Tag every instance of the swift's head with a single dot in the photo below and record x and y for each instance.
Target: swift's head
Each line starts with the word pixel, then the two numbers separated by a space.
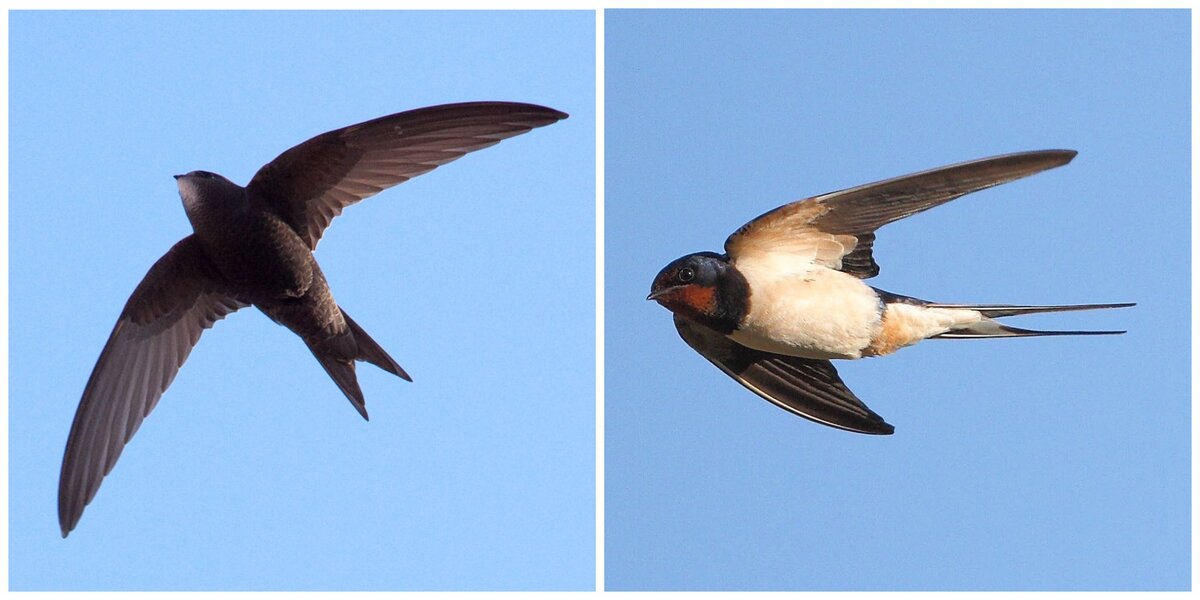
pixel 201 189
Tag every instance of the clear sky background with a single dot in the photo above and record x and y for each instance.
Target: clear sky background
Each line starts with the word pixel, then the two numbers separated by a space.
pixel 254 472
pixel 1051 463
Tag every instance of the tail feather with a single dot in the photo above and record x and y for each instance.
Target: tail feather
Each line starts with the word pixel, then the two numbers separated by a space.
pixel 989 328
pixel 994 311
pixel 342 373
pixel 372 352
pixel 338 353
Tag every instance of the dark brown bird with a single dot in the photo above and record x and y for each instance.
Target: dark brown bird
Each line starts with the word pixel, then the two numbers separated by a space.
pixel 253 246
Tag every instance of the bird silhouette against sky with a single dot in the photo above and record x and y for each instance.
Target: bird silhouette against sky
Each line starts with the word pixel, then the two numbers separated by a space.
pixel 252 246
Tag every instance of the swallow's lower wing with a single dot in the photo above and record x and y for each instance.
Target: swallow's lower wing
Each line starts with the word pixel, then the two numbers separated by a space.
pixel 837 229
pixel 809 388
pixel 178 299
pixel 313 182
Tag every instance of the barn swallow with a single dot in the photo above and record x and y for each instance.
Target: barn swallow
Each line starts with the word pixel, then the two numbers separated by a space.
pixel 252 246
pixel 788 293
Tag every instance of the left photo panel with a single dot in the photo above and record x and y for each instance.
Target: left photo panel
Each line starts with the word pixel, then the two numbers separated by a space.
pixel 198 203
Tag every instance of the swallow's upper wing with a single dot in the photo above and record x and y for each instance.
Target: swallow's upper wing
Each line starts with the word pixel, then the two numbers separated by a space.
pixel 312 183
pixel 809 388
pixel 179 298
pixel 838 229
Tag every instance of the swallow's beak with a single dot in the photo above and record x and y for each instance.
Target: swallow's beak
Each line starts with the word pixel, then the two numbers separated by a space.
pixel 178 176
pixel 663 292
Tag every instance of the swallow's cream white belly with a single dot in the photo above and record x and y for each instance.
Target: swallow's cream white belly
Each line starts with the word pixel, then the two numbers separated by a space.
pixel 811 311
pixel 816 312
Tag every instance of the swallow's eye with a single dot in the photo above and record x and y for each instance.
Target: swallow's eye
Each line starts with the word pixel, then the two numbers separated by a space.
pixel 686 274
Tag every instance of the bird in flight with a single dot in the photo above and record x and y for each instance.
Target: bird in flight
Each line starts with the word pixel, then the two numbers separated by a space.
pixel 252 246
pixel 788 293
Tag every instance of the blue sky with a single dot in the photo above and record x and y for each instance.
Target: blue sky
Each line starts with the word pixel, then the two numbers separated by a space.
pixel 1051 463
pixel 254 472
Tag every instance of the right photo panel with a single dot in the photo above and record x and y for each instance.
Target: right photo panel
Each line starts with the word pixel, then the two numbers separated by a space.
pixel 897 300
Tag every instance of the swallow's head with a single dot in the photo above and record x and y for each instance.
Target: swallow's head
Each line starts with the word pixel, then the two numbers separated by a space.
pixel 703 287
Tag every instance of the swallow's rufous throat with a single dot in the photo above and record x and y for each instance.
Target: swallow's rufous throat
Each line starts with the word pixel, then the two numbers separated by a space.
pixel 789 294
pixel 253 245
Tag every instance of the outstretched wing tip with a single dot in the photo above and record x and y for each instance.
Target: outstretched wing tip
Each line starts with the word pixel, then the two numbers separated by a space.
pixel 884 428
pixel 871 424
pixel 1066 153
pixel 552 113
pixel 1055 157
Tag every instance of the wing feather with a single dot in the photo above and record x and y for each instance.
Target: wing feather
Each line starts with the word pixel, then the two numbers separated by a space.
pixel 313 182
pixel 852 216
pixel 179 298
pixel 805 387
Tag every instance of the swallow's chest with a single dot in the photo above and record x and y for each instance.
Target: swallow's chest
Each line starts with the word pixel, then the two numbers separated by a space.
pixel 813 313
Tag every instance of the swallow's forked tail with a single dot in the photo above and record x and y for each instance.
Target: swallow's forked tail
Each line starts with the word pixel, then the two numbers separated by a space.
pixel 988 328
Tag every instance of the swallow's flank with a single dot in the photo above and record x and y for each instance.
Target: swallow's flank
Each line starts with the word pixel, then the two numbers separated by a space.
pixel 788 293
pixel 252 246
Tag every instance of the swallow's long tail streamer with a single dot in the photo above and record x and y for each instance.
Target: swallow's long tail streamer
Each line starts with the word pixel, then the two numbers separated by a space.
pixel 988 328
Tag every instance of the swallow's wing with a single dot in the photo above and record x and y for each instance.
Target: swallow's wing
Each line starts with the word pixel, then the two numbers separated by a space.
pixel 838 229
pixel 312 183
pixel 809 388
pixel 178 299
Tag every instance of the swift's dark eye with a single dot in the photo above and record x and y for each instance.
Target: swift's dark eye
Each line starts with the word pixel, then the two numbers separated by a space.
pixel 686 274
